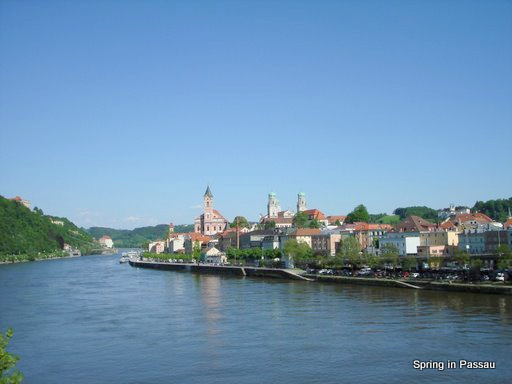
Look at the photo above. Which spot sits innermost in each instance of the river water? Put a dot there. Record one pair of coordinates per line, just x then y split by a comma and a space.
93, 320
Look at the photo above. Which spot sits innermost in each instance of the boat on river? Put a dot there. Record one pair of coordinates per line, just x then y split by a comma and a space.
126, 256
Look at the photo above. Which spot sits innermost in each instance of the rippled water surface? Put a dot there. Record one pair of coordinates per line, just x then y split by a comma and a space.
93, 320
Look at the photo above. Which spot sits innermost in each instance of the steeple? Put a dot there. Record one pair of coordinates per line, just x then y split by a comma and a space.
301, 202
273, 205
208, 203
208, 192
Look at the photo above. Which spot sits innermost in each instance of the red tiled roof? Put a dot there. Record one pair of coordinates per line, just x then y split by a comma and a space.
362, 226
306, 232
197, 236
332, 219
414, 224
465, 217
482, 216
315, 214
447, 225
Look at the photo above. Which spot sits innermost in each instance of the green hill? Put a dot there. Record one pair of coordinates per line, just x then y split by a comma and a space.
496, 209
26, 232
124, 238
423, 212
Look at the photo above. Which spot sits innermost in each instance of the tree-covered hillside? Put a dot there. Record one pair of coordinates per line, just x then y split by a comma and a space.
125, 238
495, 209
423, 212
23, 231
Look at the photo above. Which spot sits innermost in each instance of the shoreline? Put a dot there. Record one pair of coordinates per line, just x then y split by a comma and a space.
3, 262
412, 284
295, 274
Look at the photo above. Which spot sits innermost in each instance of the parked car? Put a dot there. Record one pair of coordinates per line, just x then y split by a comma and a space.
500, 276
364, 271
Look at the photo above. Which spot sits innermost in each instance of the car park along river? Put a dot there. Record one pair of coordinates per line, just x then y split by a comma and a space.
93, 320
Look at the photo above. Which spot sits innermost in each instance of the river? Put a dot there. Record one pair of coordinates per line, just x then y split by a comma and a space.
92, 320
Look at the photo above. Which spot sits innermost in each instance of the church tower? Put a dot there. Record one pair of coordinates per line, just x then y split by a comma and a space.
301, 202
273, 205
208, 204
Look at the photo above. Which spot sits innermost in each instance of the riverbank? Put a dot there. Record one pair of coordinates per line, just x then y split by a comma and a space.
24, 258
298, 274
14, 259
415, 284
294, 274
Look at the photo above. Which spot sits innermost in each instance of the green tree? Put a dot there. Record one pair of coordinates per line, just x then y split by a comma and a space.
503, 257
409, 262
314, 224
242, 222
373, 261
39, 211
300, 220
196, 250
8, 373
350, 250
423, 212
436, 262
360, 213
477, 263
269, 224
298, 250
461, 257
389, 254
495, 209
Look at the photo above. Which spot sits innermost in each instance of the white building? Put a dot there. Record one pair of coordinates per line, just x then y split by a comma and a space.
176, 244
106, 242
156, 246
214, 256
407, 243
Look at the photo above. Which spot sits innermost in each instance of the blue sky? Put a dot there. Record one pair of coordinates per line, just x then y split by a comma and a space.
120, 113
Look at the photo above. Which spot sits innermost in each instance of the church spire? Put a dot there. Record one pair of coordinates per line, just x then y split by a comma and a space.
208, 192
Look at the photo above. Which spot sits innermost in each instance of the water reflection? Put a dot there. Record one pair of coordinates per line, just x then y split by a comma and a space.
205, 328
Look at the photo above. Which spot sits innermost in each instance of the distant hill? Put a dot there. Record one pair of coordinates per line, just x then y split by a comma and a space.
125, 238
382, 218
423, 212
496, 209
23, 231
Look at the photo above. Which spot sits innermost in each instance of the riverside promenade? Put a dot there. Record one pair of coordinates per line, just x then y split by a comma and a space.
282, 273
299, 274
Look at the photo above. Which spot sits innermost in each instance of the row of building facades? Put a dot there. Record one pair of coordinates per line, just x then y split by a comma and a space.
474, 233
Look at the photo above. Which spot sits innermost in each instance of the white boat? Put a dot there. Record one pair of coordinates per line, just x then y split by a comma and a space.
126, 256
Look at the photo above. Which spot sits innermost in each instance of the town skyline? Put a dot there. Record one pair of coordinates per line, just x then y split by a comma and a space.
119, 116
199, 207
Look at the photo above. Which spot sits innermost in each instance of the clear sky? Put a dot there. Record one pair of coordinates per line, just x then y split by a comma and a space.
120, 113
